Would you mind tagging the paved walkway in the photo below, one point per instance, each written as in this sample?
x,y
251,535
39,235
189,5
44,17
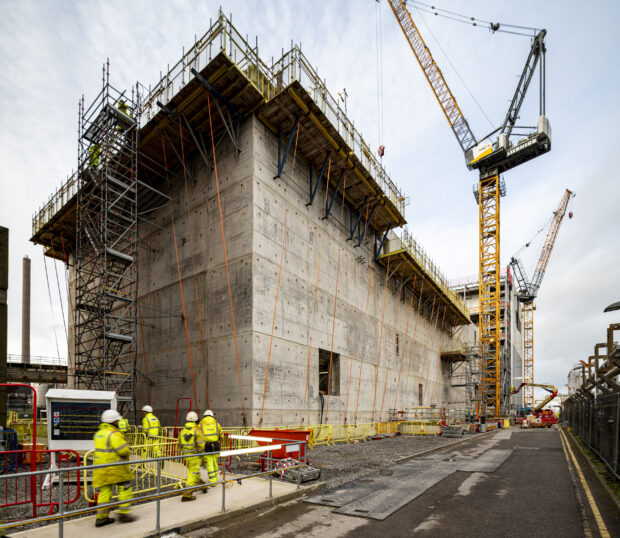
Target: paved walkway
x,y
533,492
178,516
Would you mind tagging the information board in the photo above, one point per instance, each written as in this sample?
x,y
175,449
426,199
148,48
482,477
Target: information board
x,y
75,421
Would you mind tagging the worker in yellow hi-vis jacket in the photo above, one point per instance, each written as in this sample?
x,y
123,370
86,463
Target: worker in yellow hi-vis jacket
x,y
111,447
191,441
152,429
213,437
123,426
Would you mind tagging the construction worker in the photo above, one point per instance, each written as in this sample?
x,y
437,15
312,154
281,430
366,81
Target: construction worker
x,y
123,425
124,107
110,447
191,441
151,428
94,153
213,436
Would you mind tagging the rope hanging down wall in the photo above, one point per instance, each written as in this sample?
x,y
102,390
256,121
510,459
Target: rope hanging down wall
x,y
176,251
191,241
219,205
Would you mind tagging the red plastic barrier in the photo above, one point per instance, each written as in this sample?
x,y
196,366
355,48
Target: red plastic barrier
x,y
285,436
36,490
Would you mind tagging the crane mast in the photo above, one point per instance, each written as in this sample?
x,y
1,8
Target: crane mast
x,y
490,158
527,291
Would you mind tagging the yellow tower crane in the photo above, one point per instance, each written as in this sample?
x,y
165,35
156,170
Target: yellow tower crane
x,y
491,156
528,290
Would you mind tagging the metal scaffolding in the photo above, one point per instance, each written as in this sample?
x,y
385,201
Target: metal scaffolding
x,y
106,253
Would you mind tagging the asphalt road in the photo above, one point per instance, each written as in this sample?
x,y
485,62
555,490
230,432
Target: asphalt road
x,y
535,492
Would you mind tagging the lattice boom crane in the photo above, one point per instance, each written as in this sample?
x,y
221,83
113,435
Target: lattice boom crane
x,y
491,155
527,291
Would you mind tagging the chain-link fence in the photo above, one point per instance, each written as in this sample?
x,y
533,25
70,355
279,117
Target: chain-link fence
x,y
597,423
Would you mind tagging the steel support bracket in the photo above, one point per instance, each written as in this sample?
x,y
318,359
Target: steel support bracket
x,y
328,209
282,158
314,189
378,249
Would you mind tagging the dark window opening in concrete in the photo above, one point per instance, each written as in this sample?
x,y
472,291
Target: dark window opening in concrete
x,y
324,374
420,394
397,344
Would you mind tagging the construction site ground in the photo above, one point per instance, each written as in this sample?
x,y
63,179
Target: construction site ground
x,y
338,463
533,492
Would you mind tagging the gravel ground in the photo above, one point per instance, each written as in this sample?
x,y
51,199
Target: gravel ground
x,y
342,463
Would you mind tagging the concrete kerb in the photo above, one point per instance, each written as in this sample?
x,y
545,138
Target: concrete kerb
x,y
610,493
437,448
202,523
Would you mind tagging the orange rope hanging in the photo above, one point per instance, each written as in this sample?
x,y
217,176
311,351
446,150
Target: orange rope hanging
x,y
146,367
219,205
359,380
176,251
415,330
191,240
402,360
438,357
316,289
374,400
386,368
273,322
331,351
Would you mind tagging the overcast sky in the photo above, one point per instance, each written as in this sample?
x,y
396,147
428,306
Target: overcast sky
x,y
52,52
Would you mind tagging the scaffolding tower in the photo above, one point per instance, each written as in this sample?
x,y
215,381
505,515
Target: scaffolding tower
x,y
106,249
465,377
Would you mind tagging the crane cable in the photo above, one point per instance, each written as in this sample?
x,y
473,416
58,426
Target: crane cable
x,y
49,293
455,69
473,21
379,50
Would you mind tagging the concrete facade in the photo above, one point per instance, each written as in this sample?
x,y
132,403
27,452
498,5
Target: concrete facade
x,y
511,326
365,339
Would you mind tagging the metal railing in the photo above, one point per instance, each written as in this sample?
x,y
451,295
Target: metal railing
x,y
417,252
597,423
294,66
61,477
55,203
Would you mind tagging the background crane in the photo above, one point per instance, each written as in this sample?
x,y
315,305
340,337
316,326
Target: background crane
x,y
527,291
500,150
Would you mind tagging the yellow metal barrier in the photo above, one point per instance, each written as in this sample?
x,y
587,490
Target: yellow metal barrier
x,y
173,472
419,428
321,435
339,433
357,432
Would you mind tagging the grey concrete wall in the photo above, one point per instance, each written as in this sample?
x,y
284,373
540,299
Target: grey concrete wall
x,y
201,255
368,379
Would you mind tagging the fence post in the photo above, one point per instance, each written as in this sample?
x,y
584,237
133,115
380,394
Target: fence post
x,y
61,499
270,476
157,511
223,489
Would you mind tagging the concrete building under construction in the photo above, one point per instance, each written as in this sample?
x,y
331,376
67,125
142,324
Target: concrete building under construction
x,y
232,239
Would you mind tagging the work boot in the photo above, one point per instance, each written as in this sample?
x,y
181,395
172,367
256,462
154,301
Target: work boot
x,y
102,522
187,499
126,518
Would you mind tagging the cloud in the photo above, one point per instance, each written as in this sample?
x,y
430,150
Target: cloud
x,y
51,53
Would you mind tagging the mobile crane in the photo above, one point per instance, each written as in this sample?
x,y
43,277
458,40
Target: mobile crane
x,y
491,155
543,417
527,291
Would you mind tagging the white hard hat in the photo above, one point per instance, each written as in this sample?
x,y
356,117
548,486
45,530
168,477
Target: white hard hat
x,y
208,413
110,416
191,416
147,408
